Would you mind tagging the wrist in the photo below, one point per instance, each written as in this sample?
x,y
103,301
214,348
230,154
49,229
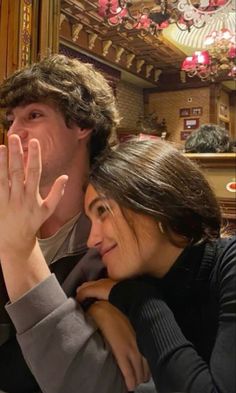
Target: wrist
x,y
17,254
24,272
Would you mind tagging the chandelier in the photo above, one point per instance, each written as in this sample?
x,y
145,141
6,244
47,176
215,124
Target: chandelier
x,y
217,60
205,11
145,19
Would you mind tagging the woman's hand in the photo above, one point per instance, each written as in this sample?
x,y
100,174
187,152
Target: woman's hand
x,y
117,330
121,337
22,210
99,289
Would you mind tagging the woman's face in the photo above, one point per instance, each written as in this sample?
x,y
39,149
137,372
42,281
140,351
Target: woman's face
x,y
128,245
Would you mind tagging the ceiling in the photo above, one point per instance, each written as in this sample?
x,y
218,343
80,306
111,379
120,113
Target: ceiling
x,y
141,58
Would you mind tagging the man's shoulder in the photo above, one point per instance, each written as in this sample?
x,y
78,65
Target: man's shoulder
x,y
86,268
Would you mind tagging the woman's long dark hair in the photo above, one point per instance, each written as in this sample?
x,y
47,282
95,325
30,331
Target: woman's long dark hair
x,y
153,178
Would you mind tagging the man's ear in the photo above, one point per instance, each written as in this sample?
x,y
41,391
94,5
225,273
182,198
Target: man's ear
x,y
84,133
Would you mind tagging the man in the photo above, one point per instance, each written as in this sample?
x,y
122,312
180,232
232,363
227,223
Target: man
x,y
70,109
208,138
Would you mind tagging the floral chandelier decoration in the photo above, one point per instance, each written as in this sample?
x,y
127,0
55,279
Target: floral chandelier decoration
x,y
217,60
147,20
203,12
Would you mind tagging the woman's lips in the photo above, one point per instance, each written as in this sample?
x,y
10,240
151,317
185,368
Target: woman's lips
x,y
106,251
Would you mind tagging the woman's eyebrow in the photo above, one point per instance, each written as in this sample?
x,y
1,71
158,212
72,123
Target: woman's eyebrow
x,y
94,201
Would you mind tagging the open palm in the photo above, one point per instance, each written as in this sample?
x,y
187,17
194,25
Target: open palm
x,y
22,210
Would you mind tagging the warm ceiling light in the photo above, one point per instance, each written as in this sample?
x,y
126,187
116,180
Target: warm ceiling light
x,y
219,60
149,20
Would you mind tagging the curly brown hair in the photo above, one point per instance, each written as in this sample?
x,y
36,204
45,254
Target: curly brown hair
x,y
81,94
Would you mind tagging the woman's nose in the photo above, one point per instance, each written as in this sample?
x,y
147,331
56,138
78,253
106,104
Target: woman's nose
x,y
94,239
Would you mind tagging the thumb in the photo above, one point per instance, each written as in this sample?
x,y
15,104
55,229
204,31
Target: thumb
x,y
56,193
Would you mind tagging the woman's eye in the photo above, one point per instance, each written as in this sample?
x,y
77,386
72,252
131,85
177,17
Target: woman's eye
x,y
101,210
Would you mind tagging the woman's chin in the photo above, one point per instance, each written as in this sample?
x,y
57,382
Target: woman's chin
x,y
116,276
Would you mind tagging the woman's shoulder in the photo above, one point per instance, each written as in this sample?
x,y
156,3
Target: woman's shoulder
x,y
225,258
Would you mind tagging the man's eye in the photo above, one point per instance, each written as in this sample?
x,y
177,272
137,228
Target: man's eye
x,y
34,115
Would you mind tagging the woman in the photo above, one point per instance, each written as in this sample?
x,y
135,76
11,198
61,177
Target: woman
x,y
156,223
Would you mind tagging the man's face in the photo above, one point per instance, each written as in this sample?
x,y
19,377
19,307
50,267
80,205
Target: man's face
x,y
59,144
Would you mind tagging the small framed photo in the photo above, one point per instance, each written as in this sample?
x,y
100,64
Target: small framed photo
x,y
223,110
197,111
224,124
191,124
184,112
184,135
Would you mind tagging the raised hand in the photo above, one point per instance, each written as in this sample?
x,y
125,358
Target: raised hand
x,y
22,210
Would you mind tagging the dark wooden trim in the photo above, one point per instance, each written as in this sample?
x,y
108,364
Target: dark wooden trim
x,y
228,206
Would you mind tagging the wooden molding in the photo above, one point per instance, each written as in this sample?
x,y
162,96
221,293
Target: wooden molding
x,y
213,160
228,206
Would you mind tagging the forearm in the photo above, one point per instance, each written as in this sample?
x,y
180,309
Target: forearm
x,y
74,354
22,273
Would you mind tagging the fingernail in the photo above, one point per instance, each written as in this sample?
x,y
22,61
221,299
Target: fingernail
x,y
3,151
33,144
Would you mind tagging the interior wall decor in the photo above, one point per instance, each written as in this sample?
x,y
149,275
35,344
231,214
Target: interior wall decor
x,y
184,135
191,124
184,112
197,111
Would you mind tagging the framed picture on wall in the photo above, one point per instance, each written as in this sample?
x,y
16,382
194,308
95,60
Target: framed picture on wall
x,y
191,124
197,111
184,135
223,110
184,112
224,124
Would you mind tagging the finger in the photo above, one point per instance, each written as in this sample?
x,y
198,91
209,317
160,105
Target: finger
x,y
84,292
137,365
146,370
128,373
50,203
33,168
16,166
97,289
141,368
4,181
86,284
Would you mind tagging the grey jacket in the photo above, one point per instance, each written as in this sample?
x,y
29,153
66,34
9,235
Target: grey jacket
x,y
62,347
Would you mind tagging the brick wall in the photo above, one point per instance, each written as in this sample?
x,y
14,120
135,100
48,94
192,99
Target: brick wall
x,y
168,104
130,105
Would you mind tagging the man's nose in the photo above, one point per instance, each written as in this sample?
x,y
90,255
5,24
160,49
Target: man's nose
x,y
17,128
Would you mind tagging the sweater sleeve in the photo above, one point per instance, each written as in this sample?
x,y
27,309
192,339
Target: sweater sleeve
x,y
63,348
173,360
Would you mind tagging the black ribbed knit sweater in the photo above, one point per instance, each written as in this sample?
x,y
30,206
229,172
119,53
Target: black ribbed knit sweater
x,y
186,322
